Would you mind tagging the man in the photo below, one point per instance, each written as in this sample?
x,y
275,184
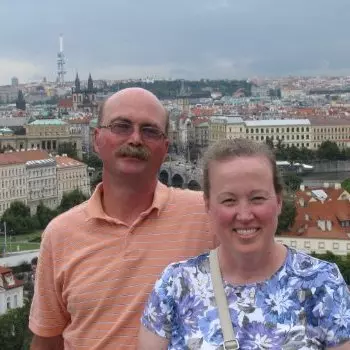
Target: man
x,y
99,261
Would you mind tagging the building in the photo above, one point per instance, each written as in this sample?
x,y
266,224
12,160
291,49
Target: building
x,y
81,126
13,180
323,220
44,134
84,99
11,290
35,177
292,132
335,130
71,175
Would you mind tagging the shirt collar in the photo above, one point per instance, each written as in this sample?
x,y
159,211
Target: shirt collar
x,y
95,208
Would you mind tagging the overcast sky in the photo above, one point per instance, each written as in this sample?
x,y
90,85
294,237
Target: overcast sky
x,y
191,39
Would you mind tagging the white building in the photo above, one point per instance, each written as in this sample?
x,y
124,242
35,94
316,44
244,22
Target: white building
x,y
11,291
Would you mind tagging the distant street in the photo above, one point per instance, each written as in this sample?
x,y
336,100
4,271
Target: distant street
x,y
15,259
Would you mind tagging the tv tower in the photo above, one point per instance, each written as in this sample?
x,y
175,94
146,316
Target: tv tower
x,y
61,61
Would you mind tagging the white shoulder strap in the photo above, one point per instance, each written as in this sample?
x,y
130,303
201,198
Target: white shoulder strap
x,y
230,341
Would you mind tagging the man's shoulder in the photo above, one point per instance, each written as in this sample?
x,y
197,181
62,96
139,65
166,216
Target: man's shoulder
x,y
195,197
75,216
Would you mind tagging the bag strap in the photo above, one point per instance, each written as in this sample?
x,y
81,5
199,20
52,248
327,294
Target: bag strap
x,y
230,341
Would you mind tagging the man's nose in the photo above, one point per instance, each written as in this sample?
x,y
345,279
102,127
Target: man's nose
x,y
135,137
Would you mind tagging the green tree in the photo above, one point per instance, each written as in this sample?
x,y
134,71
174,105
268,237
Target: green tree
x,y
44,215
287,217
93,161
328,150
346,185
71,199
292,182
14,333
68,149
18,219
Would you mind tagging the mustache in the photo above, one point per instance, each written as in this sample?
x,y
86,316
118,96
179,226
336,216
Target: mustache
x,y
139,152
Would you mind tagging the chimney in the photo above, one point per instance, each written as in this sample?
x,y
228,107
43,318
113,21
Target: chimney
x,y
337,186
302,187
329,225
326,185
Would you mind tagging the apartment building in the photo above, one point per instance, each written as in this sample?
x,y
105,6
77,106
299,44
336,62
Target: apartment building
x,y
322,222
71,175
335,130
35,177
13,181
292,132
217,128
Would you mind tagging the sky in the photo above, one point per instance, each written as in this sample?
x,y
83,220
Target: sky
x,y
187,39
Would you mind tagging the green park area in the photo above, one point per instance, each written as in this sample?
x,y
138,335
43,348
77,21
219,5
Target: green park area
x,y
16,243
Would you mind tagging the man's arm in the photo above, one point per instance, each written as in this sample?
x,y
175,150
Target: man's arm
x,y
44,343
345,346
150,341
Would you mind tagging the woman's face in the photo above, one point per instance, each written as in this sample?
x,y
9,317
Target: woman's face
x,y
243,205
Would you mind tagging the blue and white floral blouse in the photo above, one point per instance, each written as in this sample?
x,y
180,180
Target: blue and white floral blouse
x,y
304,305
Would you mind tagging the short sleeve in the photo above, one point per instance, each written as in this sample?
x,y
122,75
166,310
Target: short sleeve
x,y
336,301
48,315
158,315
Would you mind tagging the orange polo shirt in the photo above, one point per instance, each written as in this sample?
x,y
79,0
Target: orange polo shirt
x,y
95,273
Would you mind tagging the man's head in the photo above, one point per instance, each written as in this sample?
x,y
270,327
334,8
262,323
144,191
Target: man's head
x,y
131,134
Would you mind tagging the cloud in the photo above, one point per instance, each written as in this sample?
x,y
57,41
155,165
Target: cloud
x,y
24,70
191,39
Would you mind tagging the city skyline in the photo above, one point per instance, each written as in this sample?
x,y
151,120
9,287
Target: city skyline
x,y
191,40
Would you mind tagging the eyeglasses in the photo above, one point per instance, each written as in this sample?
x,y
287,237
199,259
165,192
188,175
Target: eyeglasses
x,y
126,129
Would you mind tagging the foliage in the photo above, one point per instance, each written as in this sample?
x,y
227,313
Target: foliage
x,y
171,89
14,333
93,161
68,149
343,263
346,184
18,219
44,215
328,150
69,200
292,182
287,217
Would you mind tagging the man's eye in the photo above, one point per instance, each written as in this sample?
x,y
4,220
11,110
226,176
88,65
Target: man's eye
x,y
258,199
124,126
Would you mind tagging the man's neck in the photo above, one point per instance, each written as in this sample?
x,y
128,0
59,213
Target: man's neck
x,y
126,200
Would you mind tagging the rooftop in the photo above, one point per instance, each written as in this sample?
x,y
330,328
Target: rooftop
x,y
278,122
48,122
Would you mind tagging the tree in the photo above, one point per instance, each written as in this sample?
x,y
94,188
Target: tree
x,y
287,217
93,161
68,149
20,102
71,199
292,182
14,334
18,219
346,185
328,150
44,215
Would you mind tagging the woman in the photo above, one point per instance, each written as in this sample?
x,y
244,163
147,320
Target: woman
x,y
278,298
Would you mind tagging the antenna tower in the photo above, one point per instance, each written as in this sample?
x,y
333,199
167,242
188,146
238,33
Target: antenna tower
x,y
61,61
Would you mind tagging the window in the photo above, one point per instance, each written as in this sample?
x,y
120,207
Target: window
x,y
8,303
336,245
321,245
307,244
15,301
293,244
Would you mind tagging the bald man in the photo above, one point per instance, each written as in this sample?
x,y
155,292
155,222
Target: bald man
x,y
99,261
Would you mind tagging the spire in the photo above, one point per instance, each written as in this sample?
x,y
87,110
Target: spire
x,y
77,83
90,84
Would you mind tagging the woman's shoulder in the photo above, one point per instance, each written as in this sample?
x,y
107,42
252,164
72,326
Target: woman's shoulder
x,y
191,266
303,265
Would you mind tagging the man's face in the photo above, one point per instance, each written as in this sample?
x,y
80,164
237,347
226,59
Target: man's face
x,y
133,153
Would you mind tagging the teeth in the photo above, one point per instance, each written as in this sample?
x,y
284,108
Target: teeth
x,y
246,231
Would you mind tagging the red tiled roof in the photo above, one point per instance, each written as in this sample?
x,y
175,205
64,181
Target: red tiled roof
x,y
63,161
65,103
22,157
